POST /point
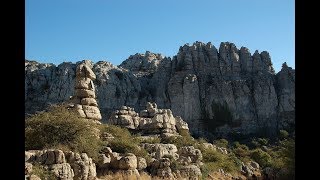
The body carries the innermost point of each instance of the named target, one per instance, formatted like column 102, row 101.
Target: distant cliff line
column 223, row 91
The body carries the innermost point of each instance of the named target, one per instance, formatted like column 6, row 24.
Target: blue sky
column 112, row 30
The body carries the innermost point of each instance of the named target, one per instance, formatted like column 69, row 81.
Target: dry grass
column 219, row 176
column 122, row 176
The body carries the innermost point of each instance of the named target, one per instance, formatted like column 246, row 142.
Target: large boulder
column 190, row 171
column 83, row 166
column 62, row 171
column 190, row 152
column 159, row 150
column 128, row 162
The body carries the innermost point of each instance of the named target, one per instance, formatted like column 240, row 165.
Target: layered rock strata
column 85, row 103
column 229, row 88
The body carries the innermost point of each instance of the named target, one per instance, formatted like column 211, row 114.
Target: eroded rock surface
column 201, row 84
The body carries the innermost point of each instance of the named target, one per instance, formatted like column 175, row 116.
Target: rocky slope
column 227, row 88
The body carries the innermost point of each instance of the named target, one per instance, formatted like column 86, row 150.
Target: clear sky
column 112, row 30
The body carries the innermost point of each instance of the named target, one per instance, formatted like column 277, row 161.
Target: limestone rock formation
column 64, row 165
column 251, row 169
column 82, row 165
column 159, row 150
column 84, row 100
column 149, row 121
column 190, row 171
column 191, row 153
column 224, row 90
column 113, row 162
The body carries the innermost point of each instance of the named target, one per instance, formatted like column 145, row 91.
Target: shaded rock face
column 227, row 88
column 286, row 96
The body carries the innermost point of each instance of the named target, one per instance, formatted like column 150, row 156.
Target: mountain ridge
column 200, row 84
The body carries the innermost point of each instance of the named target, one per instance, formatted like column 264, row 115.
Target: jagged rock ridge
column 227, row 88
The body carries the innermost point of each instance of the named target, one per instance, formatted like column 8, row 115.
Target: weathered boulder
column 161, row 168
column 251, row 169
column 49, row 157
column 159, row 150
column 190, row 171
column 62, row 171
column 34, row 177
column 82, row 165
column 142, row 163
column 128, row 162
column 190, row 152
column 28, row 168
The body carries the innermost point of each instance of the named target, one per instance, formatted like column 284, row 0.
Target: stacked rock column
column 84, row 99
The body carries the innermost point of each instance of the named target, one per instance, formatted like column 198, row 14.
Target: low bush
column 60, row 127
column 261, row 157
column 221, row 143
column 180, row 141
column 242, row 151
column 283, row 134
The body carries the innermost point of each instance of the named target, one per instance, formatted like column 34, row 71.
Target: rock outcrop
column 223, row 90
column 53, row 160
column 63, row 165
column 85, row 103
column 149, row 121
column 113, row 162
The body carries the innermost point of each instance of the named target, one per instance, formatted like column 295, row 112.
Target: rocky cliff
column 225, row 91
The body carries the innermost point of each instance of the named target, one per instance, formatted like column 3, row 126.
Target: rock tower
column 84, row 100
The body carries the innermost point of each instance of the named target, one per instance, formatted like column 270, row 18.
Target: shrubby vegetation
column 124, row 142
column 184, row 140
column 221, row 143
column 61, row 128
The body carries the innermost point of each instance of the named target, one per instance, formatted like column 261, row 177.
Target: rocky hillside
column 225, row 91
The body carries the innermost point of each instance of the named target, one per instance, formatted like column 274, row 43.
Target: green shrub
column 241, row 151
column 153, row 140
column 211, row 155
column 258, row 142
column 221, row 143
column 261, row 157
column 122, row 145
column 116, row 131
column 228, row 164
column 263, row 141
column 60, row 127
column 283, row 134
column 179, row 141
column 123, row 141
column 287, row 152
column 202, row 140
